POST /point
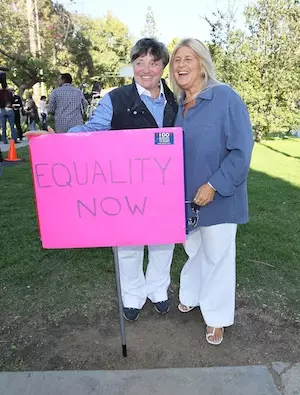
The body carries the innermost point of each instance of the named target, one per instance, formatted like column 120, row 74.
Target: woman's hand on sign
column 204, row 195
column 33, row 133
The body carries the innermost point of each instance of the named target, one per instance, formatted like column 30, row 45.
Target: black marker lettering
column 38, row 175
column 86, row 174
column 130, row 171
column 112, row 175
column 96, row 165
column 142, row 166
column 163, row 169
column 67, row 183
column 136, row 207
column 111, row 213
column 93, row 212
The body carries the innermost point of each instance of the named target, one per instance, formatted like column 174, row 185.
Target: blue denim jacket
column 218, row 146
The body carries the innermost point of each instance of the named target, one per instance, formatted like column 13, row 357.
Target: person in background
column 17, row 107
column 3, row 71
column 146, row 103
column 96, row 89
column 95, row 98
column 67, row 104
column 7, row 113
column 218, row 144
column 43, row 112
column 31, row 111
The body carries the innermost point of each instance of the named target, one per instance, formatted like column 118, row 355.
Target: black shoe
column 162, row 307
column 131, row 314
column 5, row 142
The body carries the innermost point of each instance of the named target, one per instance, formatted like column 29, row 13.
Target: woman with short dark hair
column 145, row 103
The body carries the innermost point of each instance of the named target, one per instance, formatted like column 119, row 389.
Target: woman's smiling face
column 187, row 69
column 148, row 71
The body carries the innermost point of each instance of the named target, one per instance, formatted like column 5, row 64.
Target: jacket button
column 128, row 109
column 135, row 112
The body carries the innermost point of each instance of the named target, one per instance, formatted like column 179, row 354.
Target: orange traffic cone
column 12, row 152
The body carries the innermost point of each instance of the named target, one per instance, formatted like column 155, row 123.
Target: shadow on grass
column 280, row 152
column 268, row 247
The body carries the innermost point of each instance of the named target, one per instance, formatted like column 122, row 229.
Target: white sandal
column 185, row 309
column 212, row 334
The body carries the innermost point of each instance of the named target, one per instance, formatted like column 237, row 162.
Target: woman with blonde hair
column 218, row 147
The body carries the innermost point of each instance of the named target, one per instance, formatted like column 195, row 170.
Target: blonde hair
column 202, row 52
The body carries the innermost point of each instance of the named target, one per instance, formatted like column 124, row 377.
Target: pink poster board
column 114, row 188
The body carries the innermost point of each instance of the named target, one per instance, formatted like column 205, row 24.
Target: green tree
column 172, row 44
column 225, row 43
column 110, row 47
column 263, row 66
column 150, row 29
column 19, row 49
column 64, row 42
column 275, row 40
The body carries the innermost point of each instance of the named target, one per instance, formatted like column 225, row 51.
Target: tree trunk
column 26, row 85
column 31, row 27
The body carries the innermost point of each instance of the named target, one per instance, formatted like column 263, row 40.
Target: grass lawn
column 39, row 285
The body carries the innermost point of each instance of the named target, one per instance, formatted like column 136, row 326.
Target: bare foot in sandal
column 184, row 309
column 214, row 336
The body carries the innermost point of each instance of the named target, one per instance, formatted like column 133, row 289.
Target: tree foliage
column 150, row 29
column 111, row 44
column 15, row 50
column 82, row 46
column 172, row 44
column 262, row 65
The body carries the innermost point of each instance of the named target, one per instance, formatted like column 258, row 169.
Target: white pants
column 135, row 286
column 208, row 277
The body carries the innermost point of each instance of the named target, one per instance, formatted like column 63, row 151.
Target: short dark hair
column 43, row 97
column 3, row 79
column 149, row 45
column 66, row 78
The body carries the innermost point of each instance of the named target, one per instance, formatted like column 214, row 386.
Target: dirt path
column 174, row 340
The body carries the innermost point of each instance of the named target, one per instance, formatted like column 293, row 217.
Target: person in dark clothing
column 96, row 89
column 31, row 110
column 3, row 84
column 3, row 76
column 7, row 113
column 17, row 107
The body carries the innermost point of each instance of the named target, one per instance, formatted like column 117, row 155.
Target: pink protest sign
column 115, row 188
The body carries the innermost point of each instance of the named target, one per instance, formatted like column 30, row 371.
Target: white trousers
column 208, row 277
column 137, row 287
